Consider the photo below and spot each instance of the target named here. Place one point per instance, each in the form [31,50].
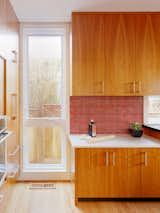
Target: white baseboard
[54,176]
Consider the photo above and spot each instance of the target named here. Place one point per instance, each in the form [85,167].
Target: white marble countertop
[119,141]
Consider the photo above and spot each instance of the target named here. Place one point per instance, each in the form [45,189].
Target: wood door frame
[5,84]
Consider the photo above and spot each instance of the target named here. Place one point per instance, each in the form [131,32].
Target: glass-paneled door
[44,100]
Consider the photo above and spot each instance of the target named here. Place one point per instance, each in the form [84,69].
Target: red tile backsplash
[111,114]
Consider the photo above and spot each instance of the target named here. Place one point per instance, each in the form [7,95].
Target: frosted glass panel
[45,76]
[44,145]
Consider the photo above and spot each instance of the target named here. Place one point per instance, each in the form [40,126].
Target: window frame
[39,31]
[147,119]
[63,121]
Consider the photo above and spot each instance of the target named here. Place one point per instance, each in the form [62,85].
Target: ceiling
[60,10]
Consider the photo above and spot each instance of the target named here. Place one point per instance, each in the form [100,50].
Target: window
[152,109]
[44,99]
[45,76]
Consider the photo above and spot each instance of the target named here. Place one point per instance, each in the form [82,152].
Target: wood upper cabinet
[147,54]
[119,54]
[132,52]
[116,54]
[88,54]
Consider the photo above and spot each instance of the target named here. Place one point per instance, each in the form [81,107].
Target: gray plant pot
[136,133]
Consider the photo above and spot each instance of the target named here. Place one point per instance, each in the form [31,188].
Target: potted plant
[136,129]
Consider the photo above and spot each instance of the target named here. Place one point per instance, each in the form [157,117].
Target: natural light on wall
[152,109]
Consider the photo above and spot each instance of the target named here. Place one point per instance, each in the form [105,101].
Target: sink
[99,138]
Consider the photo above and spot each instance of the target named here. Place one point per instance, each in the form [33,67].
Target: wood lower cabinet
[101,173]
[90,171]
[135,160]
[144,172]
[117,173]
[150,173]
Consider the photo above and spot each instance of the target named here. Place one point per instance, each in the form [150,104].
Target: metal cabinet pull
[113,158]
[90,160]
[103,87]
[134,86]
[145,159]
[140,86]
[107,159]
[99,85]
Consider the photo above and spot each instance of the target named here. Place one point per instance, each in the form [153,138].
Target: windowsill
[155,127]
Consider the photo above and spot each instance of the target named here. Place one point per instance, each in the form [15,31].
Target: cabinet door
[119,54]
[82,167]
[135,161]
[117,174]
[88,55]
[147,54]
[151,173]
[90,172]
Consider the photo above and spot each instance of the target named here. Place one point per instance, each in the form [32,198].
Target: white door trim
[56,175]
